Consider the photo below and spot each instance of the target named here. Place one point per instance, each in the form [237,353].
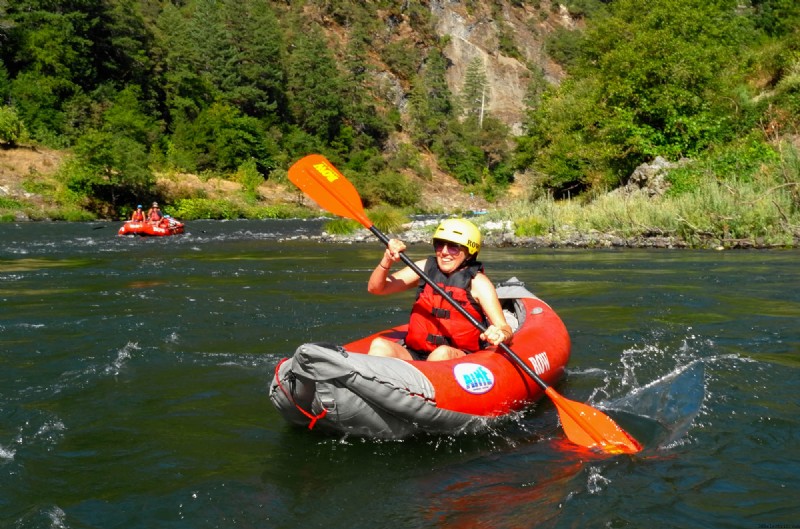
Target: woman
[138,215]
[436,330]
[154,214]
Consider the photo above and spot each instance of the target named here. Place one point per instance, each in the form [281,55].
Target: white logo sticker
[474,378]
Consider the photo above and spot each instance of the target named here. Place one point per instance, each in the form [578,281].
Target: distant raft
[342,390]
[166,226]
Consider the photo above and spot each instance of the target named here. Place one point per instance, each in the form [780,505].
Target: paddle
[583,425]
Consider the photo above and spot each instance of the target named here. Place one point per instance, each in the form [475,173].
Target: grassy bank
[746,214]
[758,207]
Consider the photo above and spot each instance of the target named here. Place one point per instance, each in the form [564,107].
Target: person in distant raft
[138,215]
[154,214]
[436,330]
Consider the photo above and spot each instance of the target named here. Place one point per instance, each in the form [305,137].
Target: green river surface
[134,375]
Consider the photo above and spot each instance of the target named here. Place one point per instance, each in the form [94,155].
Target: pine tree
[314,84]
[259,58]
[475,94]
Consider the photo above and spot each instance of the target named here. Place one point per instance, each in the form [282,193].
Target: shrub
[387,219]
[12,129]
[396,189]
[341,227]
[8,203]
[204,208]
[248,176]
[684,180]
[530,227]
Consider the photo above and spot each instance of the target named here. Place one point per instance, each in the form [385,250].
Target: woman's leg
[384,347]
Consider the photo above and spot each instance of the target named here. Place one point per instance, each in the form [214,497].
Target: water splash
[596,482]
[6,453]
[662,411]
[57,518]
[123,355]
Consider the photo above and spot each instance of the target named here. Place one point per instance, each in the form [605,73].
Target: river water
[133,377]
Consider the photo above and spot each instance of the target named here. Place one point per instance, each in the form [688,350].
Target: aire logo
[474,378]
[326,171]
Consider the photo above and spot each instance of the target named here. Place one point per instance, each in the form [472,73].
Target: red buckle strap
[314,418]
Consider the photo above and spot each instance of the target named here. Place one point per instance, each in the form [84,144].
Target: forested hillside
[568,99]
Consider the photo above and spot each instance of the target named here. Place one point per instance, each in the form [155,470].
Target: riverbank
[759,213]
[501,235]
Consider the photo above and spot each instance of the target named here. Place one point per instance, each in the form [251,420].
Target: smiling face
[449,256]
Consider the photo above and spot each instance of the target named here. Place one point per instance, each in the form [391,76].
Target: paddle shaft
[439,290]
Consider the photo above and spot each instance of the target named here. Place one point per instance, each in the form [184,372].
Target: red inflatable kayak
[167,226]
[343,390]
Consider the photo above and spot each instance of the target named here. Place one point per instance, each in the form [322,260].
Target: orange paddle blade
[325,185]
[589,427]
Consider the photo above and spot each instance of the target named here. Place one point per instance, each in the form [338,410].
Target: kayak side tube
[362,395]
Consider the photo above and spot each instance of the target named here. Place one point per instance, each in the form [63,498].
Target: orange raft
[340,389]
[166,226]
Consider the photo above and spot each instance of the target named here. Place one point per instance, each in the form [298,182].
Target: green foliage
[204,208]
[39,186]
[564,46]
[585,8]
[39,101]
[732,212]
[220,139]
[658,91]
[12,129]
[475,93]
[430,103]
[246,87]
[506,42]
[741,161]
[314,83]
[777,17]
[341,226]
[387,219]
[684,180]
[402,57]
[126,114]
[530,227]
[5,84]
[55,55]
[248,176]
[110,167]
[9,203]
[406,157]
[71,215]
[394,188]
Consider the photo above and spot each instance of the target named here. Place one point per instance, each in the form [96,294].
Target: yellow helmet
[460,231]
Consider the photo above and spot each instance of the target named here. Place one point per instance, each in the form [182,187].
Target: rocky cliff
[478,33]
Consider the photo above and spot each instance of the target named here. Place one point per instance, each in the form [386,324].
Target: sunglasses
[452,248]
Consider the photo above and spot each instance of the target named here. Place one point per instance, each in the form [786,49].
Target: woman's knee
[384,347]
[379,347]
[445,352]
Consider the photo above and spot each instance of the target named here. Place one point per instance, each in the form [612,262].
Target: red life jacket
[138,216]
[435,322]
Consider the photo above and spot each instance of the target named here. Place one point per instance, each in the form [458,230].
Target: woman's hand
[392,253]
[496,335]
